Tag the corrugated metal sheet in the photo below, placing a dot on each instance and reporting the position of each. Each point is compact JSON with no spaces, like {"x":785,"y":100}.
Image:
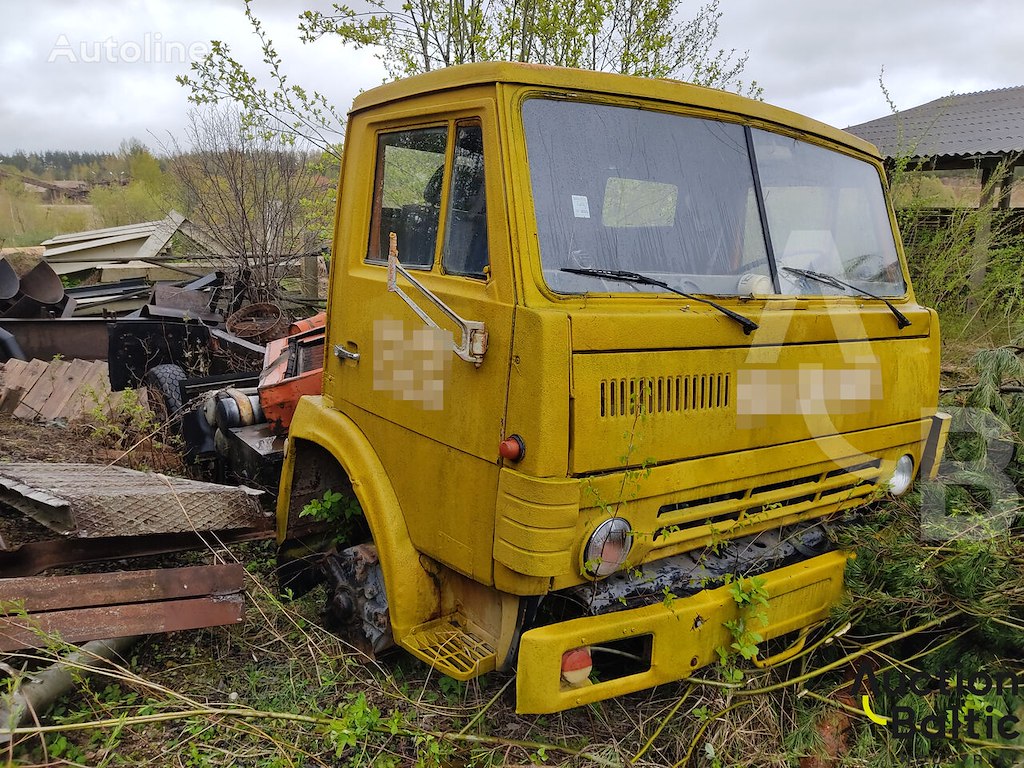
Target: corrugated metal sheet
{"x":144,"y":241}
{"x":963,"y":125}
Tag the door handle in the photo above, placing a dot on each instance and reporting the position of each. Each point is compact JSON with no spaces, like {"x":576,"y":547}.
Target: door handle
{"x":343,"y":354}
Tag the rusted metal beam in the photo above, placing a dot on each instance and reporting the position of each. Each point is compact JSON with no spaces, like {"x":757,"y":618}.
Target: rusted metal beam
{"x":93,"y":606}
{"x":51,"y":593}
{"x":32,"y":558}
{"x":84,"y":338}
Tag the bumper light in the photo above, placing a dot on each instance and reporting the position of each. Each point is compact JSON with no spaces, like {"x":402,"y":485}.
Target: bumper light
{"x":576,"y":666}
{"x":902,"y":475}
{"x":608,"y":547}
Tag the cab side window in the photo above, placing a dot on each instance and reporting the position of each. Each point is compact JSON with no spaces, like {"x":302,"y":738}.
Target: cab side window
{"x":465,"y":242}
{"x":407,"y":194}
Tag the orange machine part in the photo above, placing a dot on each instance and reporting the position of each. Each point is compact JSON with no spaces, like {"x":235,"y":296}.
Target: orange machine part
{"x":279,"y":393}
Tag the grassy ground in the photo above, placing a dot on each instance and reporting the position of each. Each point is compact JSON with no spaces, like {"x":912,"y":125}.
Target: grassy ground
{"x":281,"y":691}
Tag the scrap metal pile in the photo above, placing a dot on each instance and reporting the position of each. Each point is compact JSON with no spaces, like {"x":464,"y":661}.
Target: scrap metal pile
{"x":113,"y":513}
{"x":223,"y":376}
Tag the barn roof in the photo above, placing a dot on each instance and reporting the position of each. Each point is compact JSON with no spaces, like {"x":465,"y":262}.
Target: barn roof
{"x":968,"y":125}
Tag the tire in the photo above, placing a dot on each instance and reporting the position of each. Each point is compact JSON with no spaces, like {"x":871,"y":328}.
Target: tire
{"x":164,"y":384}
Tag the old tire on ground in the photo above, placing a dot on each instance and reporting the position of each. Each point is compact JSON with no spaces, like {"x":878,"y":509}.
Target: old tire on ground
{"x":164,"y":385}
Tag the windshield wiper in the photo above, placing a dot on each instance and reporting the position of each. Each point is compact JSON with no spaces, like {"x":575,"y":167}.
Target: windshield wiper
{"x":635,"y":277}
{"x":901,"y":320}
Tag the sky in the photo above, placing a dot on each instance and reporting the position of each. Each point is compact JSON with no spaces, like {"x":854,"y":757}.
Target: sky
{"x":86,"y":75}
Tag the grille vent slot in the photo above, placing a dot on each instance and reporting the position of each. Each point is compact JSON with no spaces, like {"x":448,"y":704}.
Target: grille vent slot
{"x":664,"y":394}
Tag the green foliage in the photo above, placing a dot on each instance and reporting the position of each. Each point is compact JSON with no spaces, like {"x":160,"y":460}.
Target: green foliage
{"x":148,"y":196}
{"x":632,"y":475}
{"x":643,"y":38}
{"x":966,"y":258}
{"x":333,"y":507}
{"x":128,"y":187}
{"x":285,"y":110}
{"x":349,"y":732}
{"x":340,"y":509}
{"x":56,"y":164}
{"x":136,"y":202}
{"x":122,"y":420}
{"x":751,"y":597}
{"x":452,"y":689}
{"x":260,"y":198}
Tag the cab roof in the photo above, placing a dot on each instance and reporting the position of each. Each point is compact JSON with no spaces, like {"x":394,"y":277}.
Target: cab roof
{"x":589,"y":81}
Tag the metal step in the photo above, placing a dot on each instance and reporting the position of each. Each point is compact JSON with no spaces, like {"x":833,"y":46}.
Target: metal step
{"x":448,"y":645}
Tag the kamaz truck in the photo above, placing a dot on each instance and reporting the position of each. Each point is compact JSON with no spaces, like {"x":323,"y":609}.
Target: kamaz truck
{"x":603,"y":355}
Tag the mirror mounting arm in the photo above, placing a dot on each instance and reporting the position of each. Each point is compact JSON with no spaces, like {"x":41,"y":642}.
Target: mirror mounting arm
{"x":472,"y":345}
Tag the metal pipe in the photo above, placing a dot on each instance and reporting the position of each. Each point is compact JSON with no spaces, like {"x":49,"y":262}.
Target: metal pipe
{"x":39,"y":691}
{"x":9,"y":348}
{"x":8,"y":281}
{"x":42,"y":284}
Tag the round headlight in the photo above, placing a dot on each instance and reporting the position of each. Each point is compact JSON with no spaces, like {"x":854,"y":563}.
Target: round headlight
{"x":608,"y":547}
{"x":902,"y":475}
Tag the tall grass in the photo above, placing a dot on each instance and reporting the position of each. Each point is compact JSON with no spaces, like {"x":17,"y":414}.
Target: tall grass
{"x":967,"y":262}
{"x":25,"y":220}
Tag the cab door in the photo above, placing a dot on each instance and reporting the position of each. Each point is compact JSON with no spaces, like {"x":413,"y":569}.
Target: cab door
{"x":435,"y":419}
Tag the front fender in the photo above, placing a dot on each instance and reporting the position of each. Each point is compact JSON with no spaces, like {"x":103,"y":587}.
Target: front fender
{"x":404,"y":572}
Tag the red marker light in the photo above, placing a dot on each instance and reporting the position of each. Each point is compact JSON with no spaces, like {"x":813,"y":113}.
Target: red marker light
{"x":576,"y":666}
{"x":512,"y":448}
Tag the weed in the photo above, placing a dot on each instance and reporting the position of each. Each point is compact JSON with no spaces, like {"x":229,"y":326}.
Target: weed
{"x":341,"y":510}
{"x":121,"y":421}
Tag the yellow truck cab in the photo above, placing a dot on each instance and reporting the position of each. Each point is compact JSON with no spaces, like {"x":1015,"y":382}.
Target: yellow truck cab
{"x":598,"y":347}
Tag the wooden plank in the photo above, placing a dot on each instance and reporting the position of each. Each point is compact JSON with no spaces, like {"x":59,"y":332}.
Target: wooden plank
{"x":10,"y":400}
{"x":65,"y":389}
{"x":79,"y":625}
{"x":28,"y":379}
{"x":92,"y":391}
{"x":10,"y":369}
{"x":36,"y":594}
{"x":36,"y":399}
{"x":12,"y":372}
{"x":10,"y":392}
{"x":34,"y":557}
{"x":29,"y":372}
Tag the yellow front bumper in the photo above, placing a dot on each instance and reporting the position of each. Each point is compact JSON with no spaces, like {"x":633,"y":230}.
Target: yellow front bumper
{"x":684,"y":634}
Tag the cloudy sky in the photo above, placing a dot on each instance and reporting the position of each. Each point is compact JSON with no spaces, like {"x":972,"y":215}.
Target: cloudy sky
{"x":85,"y":75}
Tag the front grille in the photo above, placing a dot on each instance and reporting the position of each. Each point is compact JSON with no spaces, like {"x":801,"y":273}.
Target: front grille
{"x":828,"y":485}
{"x":664,"y":394}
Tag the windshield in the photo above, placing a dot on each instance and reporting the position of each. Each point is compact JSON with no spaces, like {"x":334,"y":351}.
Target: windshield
{"x":676,"y":199}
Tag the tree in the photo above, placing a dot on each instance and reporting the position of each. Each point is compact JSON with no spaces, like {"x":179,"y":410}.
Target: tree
{"x":634,"y":37}
{"x":252,"y":194}
{"x":286,"y":110}
{"x":637,"y":37}
{"x":130,"y":187}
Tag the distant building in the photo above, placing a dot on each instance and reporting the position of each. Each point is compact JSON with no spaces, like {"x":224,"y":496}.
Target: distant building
{"x":977,"y":131}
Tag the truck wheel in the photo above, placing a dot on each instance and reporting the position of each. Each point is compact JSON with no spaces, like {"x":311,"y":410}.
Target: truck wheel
{"x":357,"y":605}
{"x":164,"y":384}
